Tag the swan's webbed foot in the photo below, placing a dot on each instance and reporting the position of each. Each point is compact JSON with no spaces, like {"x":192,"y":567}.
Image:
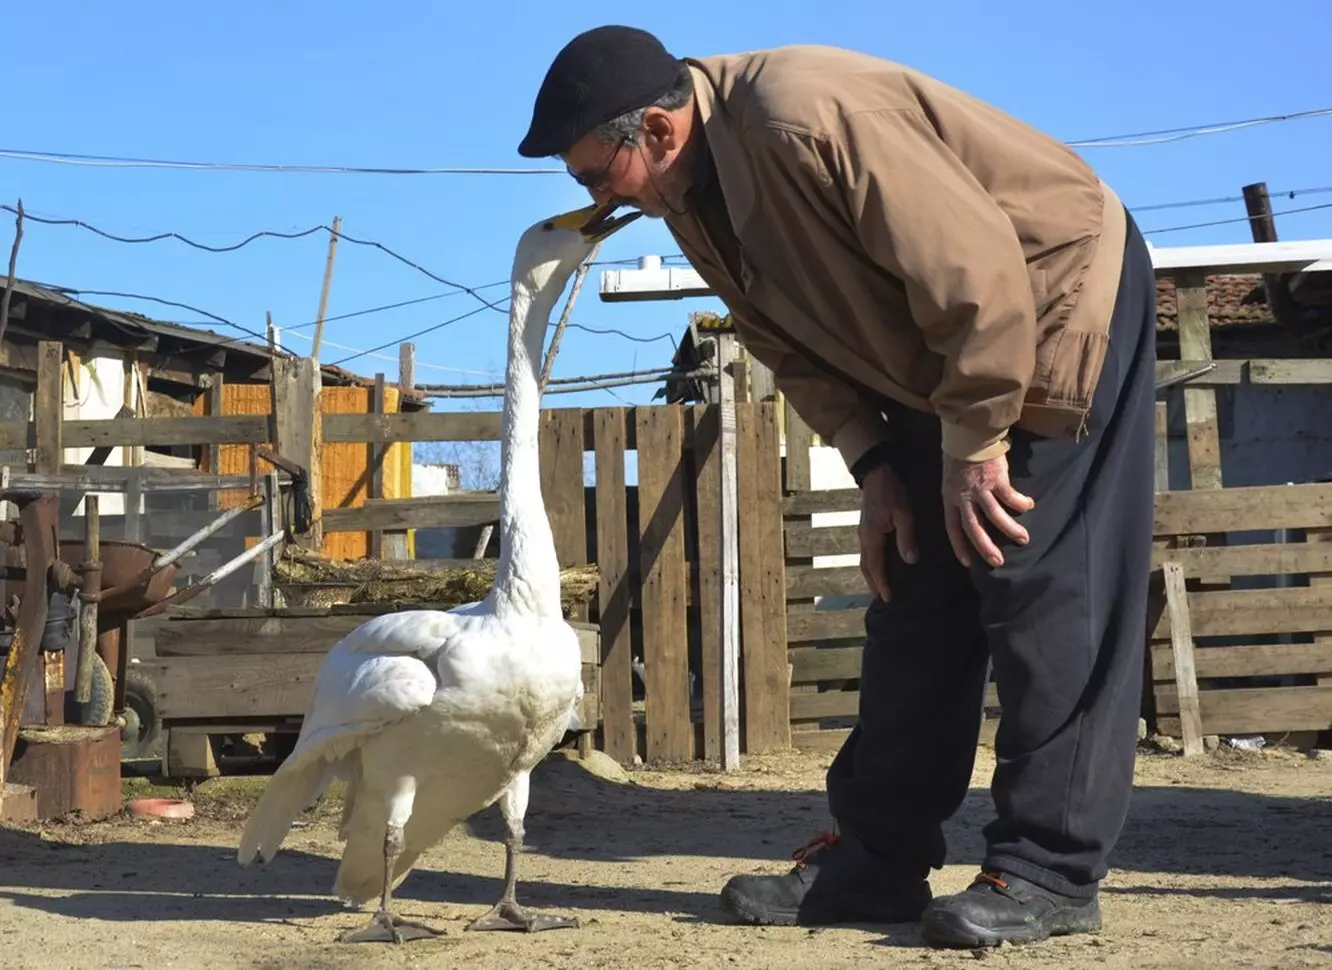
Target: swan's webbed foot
{"x":384,"y":927}
{"x":508,"y":915}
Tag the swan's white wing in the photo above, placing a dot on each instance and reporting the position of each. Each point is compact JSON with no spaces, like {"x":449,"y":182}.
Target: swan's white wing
{"x":381,"y":672}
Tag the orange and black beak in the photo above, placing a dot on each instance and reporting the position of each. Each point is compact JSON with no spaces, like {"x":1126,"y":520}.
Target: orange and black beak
{"x":593,"y":221}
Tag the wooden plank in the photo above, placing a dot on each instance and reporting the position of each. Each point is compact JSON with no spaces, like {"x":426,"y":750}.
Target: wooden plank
{"x":298,"y":430}
{"x":1313,"y":371}
{"x":831,"y":741}
{"x":227,"y":429}
{"x":238,"y":685}
{"x":417,"y":426}
{"x":828,"y":540}
{"x":48,"y":407}
{"x":620,"y":737}
{"x":830,"y":703}
{"x":705,"y":425}
{"x":216,"y":393}
{"x":799,"y":439}
{"x":825,"y":625}
{"x":824,"y":500}
{"x":1224,"y":373}
{"x":420,"y":512}
{"x":1322,"y":538}
{"x":1181,"y":648}
{"x":803,"y":582}
{"x":115,"y":478}
{"x":1248,"y":660}
{"x":1195,"y":342}
{"x":728,"y":526}
{"x":762,"y":594}
{"x":270,"y":635}
{"x":813,"y":664}
{"x":264,"y":633}
{"x":1258,"y":710}
{"x":190,"y":754}
{"x":670,"y":734}
{"x":1242,"y":509}
{"x":1162,"y":457}
{"x":375,"y":454}
{"x":1258,"y":559}
{"x":1251,"y":612}
{"x":562,"y":488}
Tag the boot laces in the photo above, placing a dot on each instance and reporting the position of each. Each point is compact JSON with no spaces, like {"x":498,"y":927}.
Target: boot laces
{"x":996,"y":881}
{"x":812,"y":846}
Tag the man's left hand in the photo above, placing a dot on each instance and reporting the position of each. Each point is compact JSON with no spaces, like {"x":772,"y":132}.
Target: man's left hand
{"x":973,"y":489}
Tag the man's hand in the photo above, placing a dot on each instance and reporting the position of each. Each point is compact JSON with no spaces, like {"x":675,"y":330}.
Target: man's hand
{"x":972,"y":488}
{"x":884,"y":509}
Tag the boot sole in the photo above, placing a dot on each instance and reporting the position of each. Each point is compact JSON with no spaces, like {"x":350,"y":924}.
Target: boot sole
{"x":943,"y":929}
{"x":832,"y":912}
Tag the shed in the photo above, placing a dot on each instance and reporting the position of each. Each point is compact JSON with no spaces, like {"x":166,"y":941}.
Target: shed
{"x":125,"y":364}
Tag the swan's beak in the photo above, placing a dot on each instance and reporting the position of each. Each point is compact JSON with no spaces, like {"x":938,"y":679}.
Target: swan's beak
{"x":594,"y":222}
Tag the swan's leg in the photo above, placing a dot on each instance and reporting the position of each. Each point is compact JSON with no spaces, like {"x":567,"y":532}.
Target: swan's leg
{"x":507,"y":914}
{"x":384,"y":927}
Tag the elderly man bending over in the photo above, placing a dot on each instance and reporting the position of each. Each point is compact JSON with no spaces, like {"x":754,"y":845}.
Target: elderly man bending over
{"x":966,"y":311}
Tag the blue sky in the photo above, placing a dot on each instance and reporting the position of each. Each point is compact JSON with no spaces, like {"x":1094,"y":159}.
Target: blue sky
{"x":432,"y":84}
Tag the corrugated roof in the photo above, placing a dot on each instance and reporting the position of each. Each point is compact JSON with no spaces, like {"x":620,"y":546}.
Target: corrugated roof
{"x":137,"y":323}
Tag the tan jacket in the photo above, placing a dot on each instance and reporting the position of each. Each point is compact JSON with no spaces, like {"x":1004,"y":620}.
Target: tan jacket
{"x":896,"y":238}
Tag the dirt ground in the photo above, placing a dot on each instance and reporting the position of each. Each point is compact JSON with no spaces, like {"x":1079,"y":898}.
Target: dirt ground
{"x":1226,"y":862}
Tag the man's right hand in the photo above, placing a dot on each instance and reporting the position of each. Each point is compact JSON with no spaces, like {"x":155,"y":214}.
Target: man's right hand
{"x":884,"y":509}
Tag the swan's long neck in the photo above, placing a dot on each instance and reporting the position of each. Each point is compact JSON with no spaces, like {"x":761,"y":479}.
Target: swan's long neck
{"x":527,"y":579}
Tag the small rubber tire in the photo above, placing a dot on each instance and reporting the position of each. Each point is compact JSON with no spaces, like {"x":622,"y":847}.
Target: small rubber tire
{"x":142,"y":733}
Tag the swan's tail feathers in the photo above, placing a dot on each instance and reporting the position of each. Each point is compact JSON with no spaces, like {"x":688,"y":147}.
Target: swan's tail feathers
{"x":292,"y":789}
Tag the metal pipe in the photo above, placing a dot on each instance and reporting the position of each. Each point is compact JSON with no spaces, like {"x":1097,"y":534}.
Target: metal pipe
{"x":171,"y":555}
{"x":92,"y":586}
{"x":218,"y":574}
{"x":1187,"y":375}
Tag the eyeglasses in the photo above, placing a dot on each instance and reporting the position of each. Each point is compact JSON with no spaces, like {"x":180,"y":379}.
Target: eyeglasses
{"x":596,"y":181}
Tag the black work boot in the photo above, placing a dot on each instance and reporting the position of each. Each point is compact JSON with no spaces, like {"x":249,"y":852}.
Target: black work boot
{"x":999,"y":908}
{"x":835,"y":880}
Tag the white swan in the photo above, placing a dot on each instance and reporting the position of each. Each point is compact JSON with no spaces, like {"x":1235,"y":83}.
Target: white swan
{"x":432,"y":716}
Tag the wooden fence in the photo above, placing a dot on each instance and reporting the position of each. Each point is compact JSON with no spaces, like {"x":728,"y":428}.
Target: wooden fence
{"x":657,"y":544}
{"x":1261,"y":613}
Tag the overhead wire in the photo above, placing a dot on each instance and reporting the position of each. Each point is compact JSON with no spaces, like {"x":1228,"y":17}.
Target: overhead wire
{"x":1227,"y":222}
{"x":1136,"y":139}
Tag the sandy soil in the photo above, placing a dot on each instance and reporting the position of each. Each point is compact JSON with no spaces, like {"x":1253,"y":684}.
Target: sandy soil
{"x":1226,"y":862}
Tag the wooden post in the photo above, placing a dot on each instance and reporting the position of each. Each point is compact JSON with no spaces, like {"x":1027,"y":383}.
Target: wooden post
{"x":48,"y":406}
{"x":1181,"y":647}
{"x":299,"y":425}
{"x":328,"y":280}
{"x":1262,"y":225}
{"x":619,"y":735}
{"x":270,"y":518}
{"x":729,"y":527}
{"x":378,"y":452}
{"x":92,"y":584}
{"x":706,"y":427}
{"x":406,"y":369}
{"x":13,"y":264}
{"x":397,"y":544}
{"x":133,"y":507}
{"x":660,"y":438}
{"x":22,"y":661}
{"x":1195,"y":343}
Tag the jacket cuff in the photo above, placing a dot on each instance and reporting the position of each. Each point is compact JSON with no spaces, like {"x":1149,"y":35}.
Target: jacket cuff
{"x":859,"y":435}
{"x":971,"y":444}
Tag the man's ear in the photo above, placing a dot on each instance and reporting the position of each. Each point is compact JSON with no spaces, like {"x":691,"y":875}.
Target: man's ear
{"x":660,"y":132}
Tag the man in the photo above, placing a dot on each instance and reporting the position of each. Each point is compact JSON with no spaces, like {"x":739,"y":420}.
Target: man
{"x":959,"y":305}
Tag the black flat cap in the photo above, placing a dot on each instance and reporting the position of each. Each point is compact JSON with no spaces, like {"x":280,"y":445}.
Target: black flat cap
{"x":599,"y":75}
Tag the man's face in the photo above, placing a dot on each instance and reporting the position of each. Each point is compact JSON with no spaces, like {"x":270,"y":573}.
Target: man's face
{"x":640,"y":172}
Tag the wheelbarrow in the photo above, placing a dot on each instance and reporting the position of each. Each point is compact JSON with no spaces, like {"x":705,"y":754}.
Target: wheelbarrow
{"x":123,"y":581}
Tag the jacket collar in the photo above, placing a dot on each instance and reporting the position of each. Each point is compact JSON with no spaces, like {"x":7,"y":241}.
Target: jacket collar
{"x":724,"y":143}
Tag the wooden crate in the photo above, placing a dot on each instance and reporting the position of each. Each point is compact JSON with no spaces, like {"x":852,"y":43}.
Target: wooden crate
{"x":243,"y":671}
